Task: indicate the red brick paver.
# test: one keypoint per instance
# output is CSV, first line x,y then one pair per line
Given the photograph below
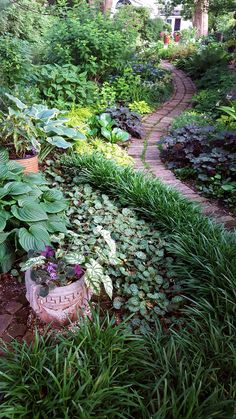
x,y
147,155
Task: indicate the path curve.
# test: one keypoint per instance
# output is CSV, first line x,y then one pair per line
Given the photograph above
x,y
147,156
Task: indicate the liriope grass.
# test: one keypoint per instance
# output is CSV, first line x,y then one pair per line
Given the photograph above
x,y
206,251
101,370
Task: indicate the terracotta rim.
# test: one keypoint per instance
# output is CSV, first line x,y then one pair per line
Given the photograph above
x,y
30,164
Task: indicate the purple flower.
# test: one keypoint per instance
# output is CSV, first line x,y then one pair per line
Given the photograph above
x,y
48,252
52,270
78,270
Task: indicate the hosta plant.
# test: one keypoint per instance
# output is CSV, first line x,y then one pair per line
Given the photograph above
x,y
51,269
104,125
35,129
29,211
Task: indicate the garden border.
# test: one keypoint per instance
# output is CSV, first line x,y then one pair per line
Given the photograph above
x,y
147,156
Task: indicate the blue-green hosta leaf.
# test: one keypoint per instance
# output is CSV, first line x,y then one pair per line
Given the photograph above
x,y
53,195
20,105
35,238
36,179
54,207
59,142
17,188
26,200
14,168
7,257
4,216
29,213
106,133
120,135
4,156
3,171
65,132
3,236
54,224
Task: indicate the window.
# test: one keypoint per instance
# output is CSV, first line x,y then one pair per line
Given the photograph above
x,y
177,24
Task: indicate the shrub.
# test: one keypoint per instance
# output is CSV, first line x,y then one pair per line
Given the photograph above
x,y
205,57
30,211
14,58
109,151
127,120
190,118
210,155
95,44
140,107
64,85
149,71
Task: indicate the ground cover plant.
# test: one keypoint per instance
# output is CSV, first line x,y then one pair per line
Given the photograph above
x,y
143,274
175,373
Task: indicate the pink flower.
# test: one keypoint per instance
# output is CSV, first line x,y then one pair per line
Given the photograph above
x,y
48,252
78,270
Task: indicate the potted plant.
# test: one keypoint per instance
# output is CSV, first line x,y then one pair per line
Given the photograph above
x,y
19,138
177,36
31,132
166,37
59,285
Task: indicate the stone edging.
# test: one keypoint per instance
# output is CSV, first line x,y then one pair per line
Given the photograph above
x,y
147,155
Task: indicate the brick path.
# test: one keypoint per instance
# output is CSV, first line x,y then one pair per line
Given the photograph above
x,y
147,155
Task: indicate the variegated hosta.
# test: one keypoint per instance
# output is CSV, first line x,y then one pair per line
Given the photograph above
x,y
29,211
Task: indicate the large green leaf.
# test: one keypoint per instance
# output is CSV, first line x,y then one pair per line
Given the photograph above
x,y
63,131
20,105
54,207
36,179
29,213
17,188
3,236
7,257
59,142
4,156
35,238
4,216
3,171
54,224
53,195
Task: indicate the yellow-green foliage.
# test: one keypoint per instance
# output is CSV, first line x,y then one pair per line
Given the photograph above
x,y
140,106
78,117
108,150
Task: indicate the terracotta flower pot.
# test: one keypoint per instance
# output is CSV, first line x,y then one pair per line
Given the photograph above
x,y
166,39
62,304
177,38
30,164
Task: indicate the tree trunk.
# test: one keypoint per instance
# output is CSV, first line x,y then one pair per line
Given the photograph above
x,y
200,17
106,6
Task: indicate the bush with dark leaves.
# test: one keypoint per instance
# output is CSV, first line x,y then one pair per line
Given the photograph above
x,y
205,155
127,120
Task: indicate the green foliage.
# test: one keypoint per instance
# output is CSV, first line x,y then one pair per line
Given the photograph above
x,y
14,58
204,58
190,118
24,20
103,125
35,129
140,106
97,45
91,370
28,215
206,252
210,156
63,85
109,151
142,273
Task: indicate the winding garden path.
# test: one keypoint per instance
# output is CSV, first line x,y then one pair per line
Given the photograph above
x,y
147,155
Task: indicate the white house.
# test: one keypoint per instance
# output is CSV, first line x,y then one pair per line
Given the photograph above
x,y
175,19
